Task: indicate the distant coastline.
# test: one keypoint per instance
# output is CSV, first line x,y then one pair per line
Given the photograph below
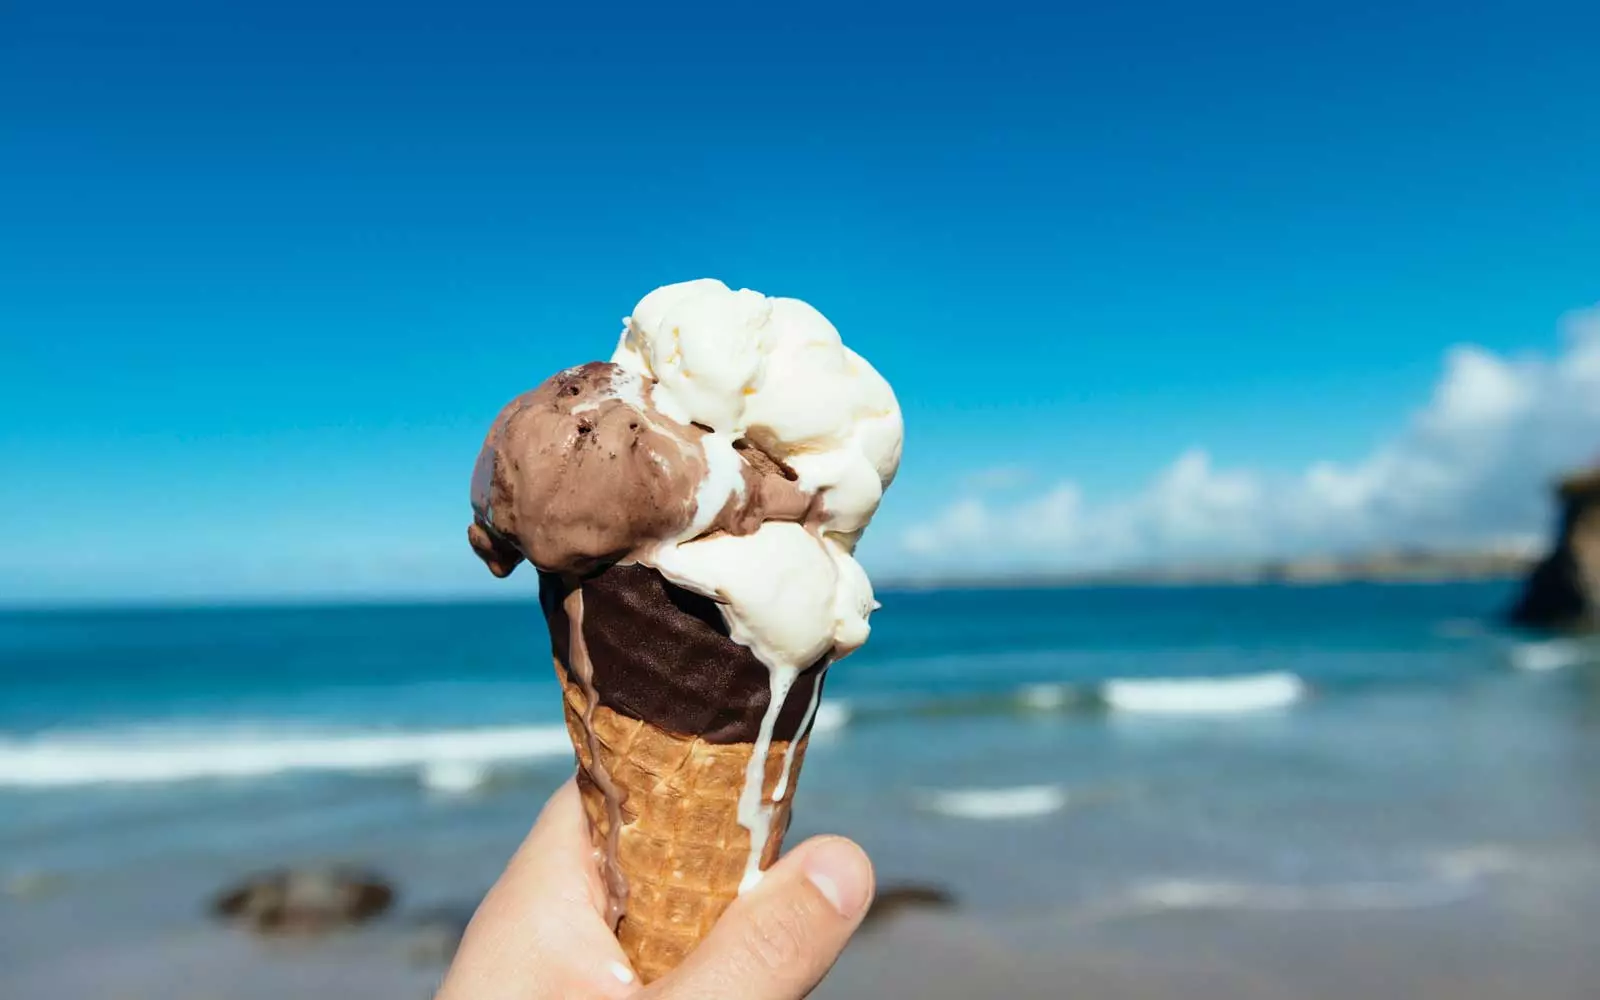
x,y
1397,566
1401,566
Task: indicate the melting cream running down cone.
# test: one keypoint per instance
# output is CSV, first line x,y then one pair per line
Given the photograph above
x,y
692,508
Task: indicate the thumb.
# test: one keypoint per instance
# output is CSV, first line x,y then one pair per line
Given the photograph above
x,y
777,941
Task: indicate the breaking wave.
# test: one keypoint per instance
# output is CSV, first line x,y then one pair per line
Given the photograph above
x,y
1552,654
1048,697
455,777
1180,894
1154,695
1204,695
1017,802
1448,876
832,716
460,760
448,759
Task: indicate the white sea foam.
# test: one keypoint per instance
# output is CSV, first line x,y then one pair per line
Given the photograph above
x,y
1223,894
1454,874
1552,654
831,717
151,757
455,777
1477,862
1045,697
1204,695
1017,802
1550,865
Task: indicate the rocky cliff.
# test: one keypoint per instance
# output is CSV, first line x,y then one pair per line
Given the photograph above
x,y
1563,592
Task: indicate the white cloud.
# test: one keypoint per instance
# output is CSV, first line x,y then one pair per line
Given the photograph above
x,y
1470,468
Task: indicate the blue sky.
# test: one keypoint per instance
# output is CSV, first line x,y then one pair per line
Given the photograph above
x,y
267,271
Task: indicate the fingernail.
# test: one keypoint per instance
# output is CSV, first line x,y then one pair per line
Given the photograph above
x,y
623,973
842,873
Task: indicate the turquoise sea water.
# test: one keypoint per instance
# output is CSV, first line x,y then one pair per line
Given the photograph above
x,y
442,666
1104,750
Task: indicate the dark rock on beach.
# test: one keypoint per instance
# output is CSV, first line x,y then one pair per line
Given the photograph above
x,y
1563,591
897,899
305,902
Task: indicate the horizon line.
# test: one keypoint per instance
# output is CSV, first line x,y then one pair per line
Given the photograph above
x,y
1106,581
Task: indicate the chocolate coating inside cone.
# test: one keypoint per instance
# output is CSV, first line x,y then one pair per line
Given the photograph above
x,y
662,654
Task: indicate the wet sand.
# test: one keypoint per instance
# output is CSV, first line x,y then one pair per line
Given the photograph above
x,y
1519,933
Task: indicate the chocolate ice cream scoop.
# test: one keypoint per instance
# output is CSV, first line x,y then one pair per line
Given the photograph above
x,y
584,471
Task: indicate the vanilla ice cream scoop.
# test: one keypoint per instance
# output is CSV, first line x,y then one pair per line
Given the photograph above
x,y
775,371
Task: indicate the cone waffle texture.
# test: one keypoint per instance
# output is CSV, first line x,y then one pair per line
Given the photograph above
x,y
681,848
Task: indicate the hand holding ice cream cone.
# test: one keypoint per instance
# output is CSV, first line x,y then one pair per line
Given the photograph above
x,y
540,933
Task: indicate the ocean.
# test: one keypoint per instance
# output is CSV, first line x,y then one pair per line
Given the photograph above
x,y
1068,763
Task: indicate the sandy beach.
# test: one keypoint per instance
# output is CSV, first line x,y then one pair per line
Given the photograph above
x,y
1518,934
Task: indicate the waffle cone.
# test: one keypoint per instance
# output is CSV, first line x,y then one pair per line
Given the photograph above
x,y
680,848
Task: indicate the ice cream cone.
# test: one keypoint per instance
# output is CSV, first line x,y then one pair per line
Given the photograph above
x,y
680,849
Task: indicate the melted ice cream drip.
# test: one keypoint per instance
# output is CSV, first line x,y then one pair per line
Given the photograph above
x,y
583,669
754,814
799,734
